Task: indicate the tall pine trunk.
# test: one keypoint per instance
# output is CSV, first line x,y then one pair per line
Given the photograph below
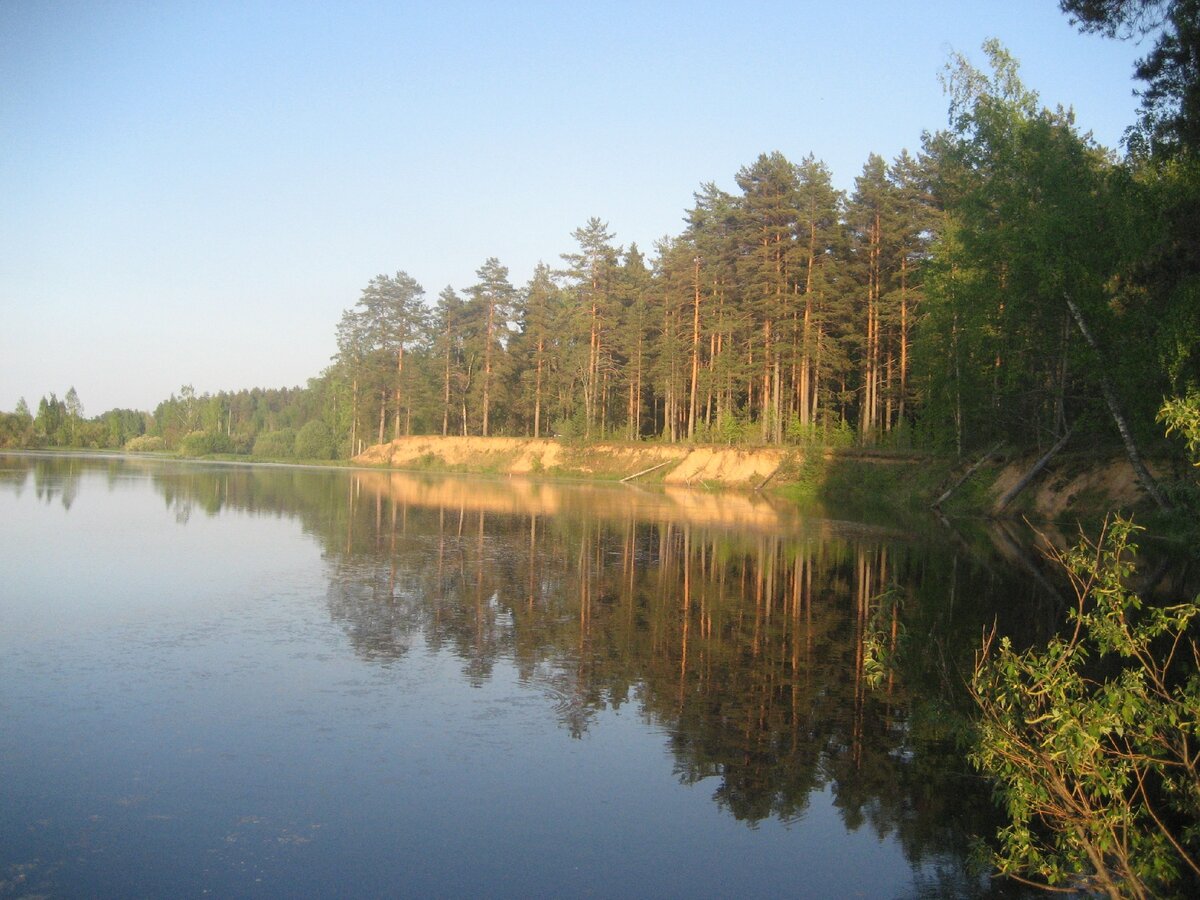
x,y
691,428
537,391
487,364
399,394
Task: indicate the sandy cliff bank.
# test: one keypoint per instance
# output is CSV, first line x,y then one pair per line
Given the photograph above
x,y
523,456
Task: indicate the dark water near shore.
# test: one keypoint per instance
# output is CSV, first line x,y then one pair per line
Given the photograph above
x,y
265,681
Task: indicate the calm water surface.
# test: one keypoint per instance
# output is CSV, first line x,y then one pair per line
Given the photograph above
x,y
265,681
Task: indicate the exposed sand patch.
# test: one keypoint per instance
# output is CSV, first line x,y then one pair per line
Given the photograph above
x,y
1007,478
502,453
726,466
1065,484
523,456
1115,481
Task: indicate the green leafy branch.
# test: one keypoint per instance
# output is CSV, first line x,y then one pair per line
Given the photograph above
x,y
1094,741
1182,415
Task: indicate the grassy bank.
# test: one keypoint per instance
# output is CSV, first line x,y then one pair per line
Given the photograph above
x,y
863,487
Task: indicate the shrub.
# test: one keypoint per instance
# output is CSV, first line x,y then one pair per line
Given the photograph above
x,y
279,444
840,434
15,430
570,429
205,443
145,443
1092,739
315,441
732,430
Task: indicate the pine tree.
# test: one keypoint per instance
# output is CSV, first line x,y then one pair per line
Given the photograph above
x,y
392,314
493,297
590,274
540,311
713,231
768,218
351,359
918,222
634,282
818,240
446,324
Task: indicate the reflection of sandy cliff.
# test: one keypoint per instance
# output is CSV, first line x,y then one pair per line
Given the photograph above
x,y
530,498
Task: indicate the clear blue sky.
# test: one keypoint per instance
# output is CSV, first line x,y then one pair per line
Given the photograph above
x,y
192,192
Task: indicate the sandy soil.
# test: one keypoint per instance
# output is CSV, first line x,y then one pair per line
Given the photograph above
x,y
1055,491
725,465
515,453
1066,487
521,456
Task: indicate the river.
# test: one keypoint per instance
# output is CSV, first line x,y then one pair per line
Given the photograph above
x,y
234,680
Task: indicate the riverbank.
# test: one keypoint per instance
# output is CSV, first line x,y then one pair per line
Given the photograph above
x,y
869,485
1074,487
647,463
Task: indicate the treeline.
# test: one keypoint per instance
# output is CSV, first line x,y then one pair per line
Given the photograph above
x,y
274,423
61,423
783,312
1011,281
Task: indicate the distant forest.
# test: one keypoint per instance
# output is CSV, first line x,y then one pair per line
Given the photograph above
x,y
1010,281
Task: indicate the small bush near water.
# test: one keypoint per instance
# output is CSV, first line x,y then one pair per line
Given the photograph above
x,y
279,444
315,440
145,443
205,443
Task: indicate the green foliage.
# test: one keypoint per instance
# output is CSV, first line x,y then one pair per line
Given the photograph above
x,y
315,440
16,428
205,443
1181,415
1093,739
733,430
1170,121
570,429
882,633
837,434
280,444
146,443
1037,215
50,423
13,431
797,432
118,426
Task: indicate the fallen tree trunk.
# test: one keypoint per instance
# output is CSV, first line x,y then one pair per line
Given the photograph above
x,y
1114,407
646,471
966,476
764,482
1017,488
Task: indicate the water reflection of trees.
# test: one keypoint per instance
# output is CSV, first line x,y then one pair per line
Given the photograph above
x,y
53,477
753,647
753,651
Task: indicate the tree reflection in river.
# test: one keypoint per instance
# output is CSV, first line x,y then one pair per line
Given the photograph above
x,y
780,656
758,647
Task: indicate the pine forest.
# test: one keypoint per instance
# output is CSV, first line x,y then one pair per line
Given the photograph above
x,y
1010,280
